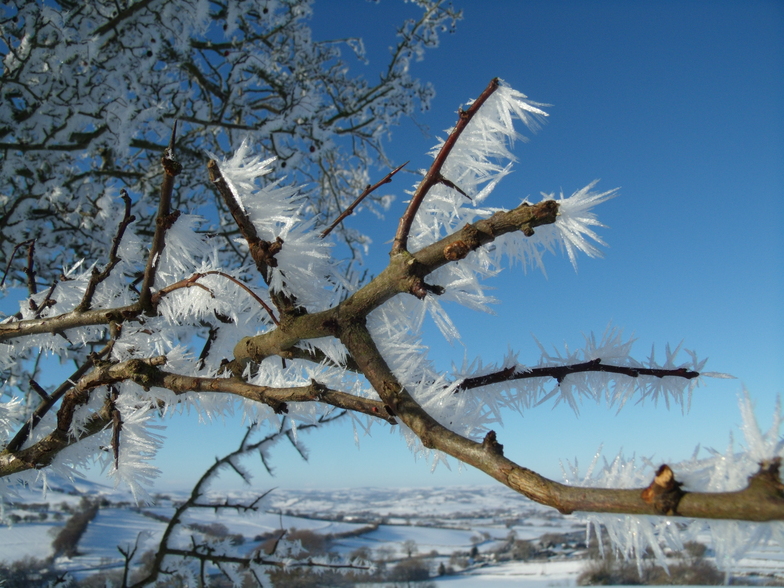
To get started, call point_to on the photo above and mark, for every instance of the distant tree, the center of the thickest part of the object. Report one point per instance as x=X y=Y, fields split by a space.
x=66 y=542
x=160 y=310
x=410 y=571
x=410 y=548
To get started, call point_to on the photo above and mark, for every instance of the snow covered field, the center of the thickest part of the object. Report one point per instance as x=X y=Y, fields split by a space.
x=444 y=525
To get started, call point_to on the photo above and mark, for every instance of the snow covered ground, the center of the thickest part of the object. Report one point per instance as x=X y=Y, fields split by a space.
x=444 y=524
x=518 y=574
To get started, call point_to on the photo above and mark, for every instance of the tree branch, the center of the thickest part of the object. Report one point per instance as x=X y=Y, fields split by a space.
x=192 y=281
x=433 y=175
x=370 y=189
x=163 y=221
x=559 y=372
x=761 y=500
x=98 y=277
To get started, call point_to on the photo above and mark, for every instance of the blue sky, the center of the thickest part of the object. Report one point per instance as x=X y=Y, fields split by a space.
x=681 y=106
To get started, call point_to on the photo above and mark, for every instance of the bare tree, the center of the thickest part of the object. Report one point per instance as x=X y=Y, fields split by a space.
x=167 y=320
x=187 y=553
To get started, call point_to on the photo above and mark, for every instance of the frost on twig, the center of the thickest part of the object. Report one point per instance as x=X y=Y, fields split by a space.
x=699 y=495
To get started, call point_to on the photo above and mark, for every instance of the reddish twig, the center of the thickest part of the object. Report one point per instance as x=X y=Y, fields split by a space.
x=386 y=179
x=451 y=184
x=433 y=175
x=559 y=372
x=193 y=281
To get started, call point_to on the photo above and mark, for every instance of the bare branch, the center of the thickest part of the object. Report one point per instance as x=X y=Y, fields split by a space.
x=433 y=175
x=559 y=372
x=31 y=287
x=369 y=190
x=762 y=500
x=203 y=553
x=163 y=221
x=98 y=277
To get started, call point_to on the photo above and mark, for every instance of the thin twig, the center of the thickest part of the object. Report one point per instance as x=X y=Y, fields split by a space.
x=45 y=406
x=163 y=221
x=192 y=281
x=30 y=269
x=386 y=179
x=98 y=277
x=47 y=301
x=559 y=372
x=263 y=252
x=202 y=552
x=39 y=390
x=433 y=175
x=31 y=244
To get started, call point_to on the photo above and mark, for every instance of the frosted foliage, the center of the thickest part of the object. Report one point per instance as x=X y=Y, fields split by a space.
x=614 y=389
x=139 y=444
x=717 y=472
x=95 y=91
x=480 y=159
x=200 y=294
x=11 y=414
x=304 y=266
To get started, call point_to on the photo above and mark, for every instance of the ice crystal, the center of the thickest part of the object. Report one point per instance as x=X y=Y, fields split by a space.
x=632 y=536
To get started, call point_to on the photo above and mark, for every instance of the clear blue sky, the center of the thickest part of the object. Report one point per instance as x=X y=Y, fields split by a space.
x=681 y=105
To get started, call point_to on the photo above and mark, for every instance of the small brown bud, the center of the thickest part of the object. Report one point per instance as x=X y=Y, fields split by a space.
x=491 y=444
x=665 y=492
x=457 y=250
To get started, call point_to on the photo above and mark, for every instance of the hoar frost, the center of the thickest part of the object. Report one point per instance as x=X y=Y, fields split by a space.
x=305 y=272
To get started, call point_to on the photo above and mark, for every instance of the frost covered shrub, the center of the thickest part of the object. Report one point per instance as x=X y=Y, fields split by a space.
x=162 y=310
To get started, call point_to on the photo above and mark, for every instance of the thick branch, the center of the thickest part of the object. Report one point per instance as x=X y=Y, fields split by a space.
x=404 y=273
x=760 y=501
x=68 y=320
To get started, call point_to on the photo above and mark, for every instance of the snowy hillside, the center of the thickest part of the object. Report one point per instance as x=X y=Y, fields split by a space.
x=462 y=533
